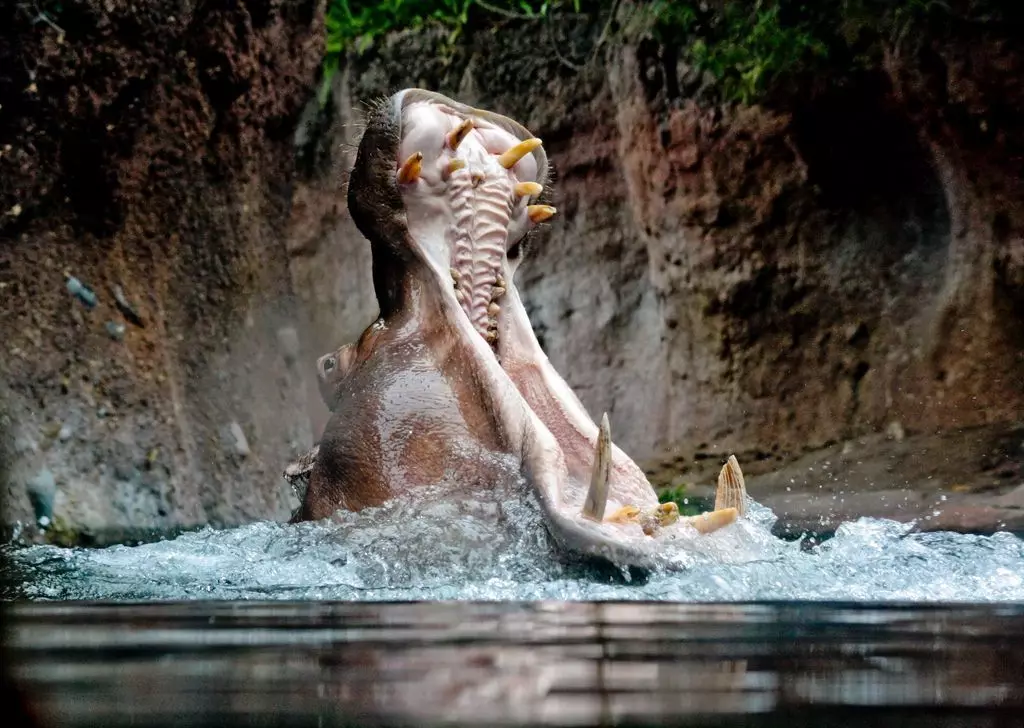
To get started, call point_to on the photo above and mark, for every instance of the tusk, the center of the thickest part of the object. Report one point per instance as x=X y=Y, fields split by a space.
x=508 y=159
x=528 y=189
x=708 y=522
x=456 y=136
x=732 y=490
x=597 y=496
x=410 y=171
x=540 y=213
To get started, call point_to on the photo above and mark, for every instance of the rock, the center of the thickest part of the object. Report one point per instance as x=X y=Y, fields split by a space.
x=241 y=445
x=42 y=488
x=115 y=330
x=155 y=154
x=65 y=432
x=895 y=431
x=288 y=340
x=81 y=291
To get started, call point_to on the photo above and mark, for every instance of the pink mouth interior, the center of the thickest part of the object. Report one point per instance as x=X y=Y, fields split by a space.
x=466 y=221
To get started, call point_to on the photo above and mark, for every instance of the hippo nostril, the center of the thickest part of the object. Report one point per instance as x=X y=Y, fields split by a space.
x=329 y=365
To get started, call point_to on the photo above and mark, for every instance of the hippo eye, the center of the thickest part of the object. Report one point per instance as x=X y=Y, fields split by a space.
x=329 y=364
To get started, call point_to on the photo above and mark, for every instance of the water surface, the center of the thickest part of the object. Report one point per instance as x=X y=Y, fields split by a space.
x=534 y=663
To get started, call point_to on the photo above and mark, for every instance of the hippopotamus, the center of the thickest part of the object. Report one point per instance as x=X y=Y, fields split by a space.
x=450 y=198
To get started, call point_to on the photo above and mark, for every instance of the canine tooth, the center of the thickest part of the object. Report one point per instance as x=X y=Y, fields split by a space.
x=494 y=309
x=732 y=490
x=453 y=166
x=625 y=514
x=540 y=213
x=528 y=189
x=716 y=519
x=597 y=496
x=508 y=159
x=456 y=136
x=410 y=171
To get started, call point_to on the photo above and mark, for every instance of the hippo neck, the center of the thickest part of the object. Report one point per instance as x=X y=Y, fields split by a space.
x=408 y=291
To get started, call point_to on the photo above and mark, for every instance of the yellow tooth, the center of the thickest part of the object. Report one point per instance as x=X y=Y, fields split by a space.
x=714 y=520
x=410 y=171
x=625 y=514
x=494 y=309
x=497 y=292
x=540 y=213
x=520 y=150
x=528 y=189
x=453 y=166
x=456 y=136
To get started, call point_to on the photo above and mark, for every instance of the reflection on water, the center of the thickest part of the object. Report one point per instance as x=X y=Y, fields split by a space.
x=322 y=663
x=494 y=546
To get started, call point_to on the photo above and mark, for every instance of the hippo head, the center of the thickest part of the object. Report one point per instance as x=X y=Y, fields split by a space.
x=448 y=196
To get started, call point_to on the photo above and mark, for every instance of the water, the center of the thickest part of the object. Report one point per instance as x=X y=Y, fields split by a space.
x=493 y=546
x=535 y=663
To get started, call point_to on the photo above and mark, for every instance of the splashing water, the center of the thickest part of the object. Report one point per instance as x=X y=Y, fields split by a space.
x=494 y=546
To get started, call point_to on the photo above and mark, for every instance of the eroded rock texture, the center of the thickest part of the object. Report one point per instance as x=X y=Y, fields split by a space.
x=148 y=145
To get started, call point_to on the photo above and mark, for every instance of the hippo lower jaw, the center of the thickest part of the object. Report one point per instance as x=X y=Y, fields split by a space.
x=465 y=181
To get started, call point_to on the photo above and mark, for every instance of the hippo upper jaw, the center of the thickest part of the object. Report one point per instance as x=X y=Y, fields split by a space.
x=446 y=194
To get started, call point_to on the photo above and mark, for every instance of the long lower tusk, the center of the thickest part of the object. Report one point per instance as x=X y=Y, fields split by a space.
x=539 y=213
x=528 y=189
x=732 y=490
x=509 y=158
x=716 y=519
x=410 y=171
x=456 y=136
x=597 y=496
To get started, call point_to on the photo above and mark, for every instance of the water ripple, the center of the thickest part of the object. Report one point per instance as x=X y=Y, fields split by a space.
x=495 y=547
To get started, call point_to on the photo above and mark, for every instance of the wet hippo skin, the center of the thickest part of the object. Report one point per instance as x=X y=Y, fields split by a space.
x=449 y=388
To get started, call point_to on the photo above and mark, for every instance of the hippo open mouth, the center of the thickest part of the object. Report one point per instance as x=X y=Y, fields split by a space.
x=448 y=197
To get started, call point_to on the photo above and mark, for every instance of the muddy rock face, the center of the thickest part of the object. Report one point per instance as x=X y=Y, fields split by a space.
x=147 y=153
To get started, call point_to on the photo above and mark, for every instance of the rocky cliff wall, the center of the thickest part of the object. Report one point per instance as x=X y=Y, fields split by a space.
x=147 y=148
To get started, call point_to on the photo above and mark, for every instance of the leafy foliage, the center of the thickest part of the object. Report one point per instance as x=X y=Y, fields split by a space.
x=747 y=46
x=356 y=24
x=688 y=506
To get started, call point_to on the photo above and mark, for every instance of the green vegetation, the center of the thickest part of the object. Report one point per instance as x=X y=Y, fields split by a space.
x=745 y=46
x=688 y=506
x=749 y=47
x=355 y=24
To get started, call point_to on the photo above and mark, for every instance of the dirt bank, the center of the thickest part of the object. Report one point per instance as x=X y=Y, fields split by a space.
x=147 y=150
